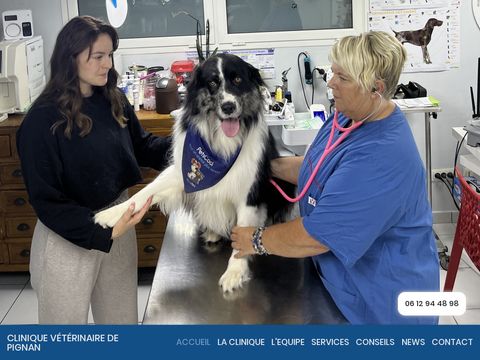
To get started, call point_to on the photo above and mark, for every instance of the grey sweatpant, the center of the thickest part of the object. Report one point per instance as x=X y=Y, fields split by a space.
x=68 y=279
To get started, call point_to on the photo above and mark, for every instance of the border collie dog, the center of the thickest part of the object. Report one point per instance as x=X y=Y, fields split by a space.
x=220 y=168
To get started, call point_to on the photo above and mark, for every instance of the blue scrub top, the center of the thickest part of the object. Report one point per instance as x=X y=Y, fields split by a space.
x=368 y=204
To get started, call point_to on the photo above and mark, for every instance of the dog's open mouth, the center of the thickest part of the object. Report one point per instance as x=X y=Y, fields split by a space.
x=230 y=126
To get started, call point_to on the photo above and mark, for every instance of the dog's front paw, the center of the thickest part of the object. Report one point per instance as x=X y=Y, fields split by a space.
x=109 y=217
x=235 y=276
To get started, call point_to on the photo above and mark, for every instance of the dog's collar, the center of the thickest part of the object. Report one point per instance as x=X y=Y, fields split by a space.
x=201 y=166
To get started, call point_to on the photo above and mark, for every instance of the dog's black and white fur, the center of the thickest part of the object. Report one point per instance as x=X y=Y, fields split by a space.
x=223 y=88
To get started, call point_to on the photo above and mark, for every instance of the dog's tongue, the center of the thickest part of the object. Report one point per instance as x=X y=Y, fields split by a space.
x=230 y=126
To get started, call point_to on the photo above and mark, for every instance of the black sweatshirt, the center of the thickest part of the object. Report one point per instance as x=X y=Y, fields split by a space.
x=68 y=179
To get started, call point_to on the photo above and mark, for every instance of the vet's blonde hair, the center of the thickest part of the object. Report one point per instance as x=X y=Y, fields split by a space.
x=371 y=56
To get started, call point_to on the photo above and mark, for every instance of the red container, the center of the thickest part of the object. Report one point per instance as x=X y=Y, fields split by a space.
x=183 y=70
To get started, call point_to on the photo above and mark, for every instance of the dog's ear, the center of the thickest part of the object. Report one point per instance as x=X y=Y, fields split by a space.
x=254 y=75
x=195 y=83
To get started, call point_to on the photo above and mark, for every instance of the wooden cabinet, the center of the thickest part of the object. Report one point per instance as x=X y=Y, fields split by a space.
x=17 y=217
x=151 y=229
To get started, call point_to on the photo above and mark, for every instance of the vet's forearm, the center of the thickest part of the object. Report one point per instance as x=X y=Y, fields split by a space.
x=287 y=168
x=290 y=239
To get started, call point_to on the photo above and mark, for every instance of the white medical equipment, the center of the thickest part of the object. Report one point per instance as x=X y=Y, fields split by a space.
x=17 y=24
x=22 y=74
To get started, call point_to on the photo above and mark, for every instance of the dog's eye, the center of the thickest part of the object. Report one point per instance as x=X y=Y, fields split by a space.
x=237 y=80
x=212 y=84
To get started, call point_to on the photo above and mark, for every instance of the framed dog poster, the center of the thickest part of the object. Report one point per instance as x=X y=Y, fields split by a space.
x=430 y=32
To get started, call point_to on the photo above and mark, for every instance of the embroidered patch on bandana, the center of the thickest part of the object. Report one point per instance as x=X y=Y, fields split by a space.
x=201 y=167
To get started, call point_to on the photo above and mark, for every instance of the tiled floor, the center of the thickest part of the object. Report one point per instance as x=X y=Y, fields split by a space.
x=18 y=304
x=467 y=281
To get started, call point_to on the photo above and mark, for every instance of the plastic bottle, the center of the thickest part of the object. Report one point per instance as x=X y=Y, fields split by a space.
x=136 y=100
x=130 y=89
x=123 y=87
x=138 y=86
x=317 y=112
x=279 y=94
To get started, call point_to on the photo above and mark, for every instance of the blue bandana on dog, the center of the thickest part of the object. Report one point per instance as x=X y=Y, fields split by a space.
x=201 y=167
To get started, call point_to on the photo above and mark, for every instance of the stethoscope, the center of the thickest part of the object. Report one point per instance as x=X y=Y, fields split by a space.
x=328 y=149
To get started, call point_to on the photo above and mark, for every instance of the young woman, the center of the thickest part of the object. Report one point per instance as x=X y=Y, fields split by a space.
x=81 y=146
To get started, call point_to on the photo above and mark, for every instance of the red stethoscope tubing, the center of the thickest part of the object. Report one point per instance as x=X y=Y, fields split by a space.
x=328 y=149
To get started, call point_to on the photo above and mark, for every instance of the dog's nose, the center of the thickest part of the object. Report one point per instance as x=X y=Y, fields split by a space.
x=228 y=107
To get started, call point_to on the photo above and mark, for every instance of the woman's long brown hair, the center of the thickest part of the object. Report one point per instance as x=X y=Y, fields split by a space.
x=63 y=88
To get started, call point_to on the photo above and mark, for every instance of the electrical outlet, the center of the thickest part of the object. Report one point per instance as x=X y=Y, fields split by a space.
x=440 y=171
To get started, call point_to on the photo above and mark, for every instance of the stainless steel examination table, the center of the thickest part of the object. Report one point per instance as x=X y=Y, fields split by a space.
x=185 y=287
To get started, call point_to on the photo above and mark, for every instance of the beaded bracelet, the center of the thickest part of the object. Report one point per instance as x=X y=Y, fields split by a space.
x=257 y=241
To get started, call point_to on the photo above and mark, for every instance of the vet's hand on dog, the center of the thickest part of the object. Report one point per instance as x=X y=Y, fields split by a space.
x=242 y=241
x=129 y=219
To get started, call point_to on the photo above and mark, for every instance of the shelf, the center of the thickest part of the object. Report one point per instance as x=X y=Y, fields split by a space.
x=458 y=133
x=471 y=163
x=273 y=120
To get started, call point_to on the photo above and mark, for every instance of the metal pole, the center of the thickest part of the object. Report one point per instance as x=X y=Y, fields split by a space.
x=428 y=156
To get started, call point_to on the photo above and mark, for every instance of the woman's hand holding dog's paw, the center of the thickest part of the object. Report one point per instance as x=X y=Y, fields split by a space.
x=121 y=217
x=129 y=219
x=242 y=241
x=109 y=217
